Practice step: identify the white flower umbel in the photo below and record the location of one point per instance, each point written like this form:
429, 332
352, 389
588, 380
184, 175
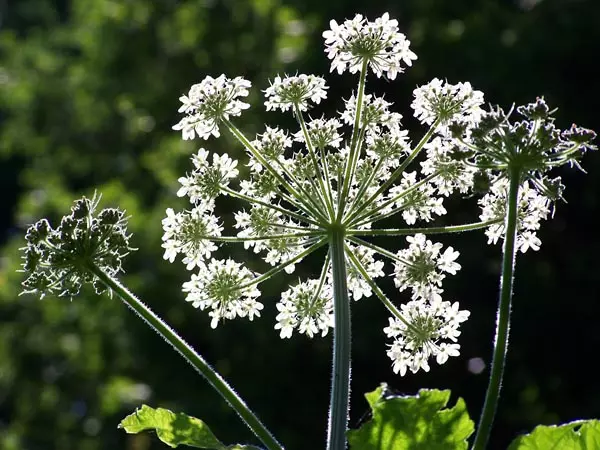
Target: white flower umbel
378, 43
515, 157
207, 180
309, 184
423, 266
189, 233
307, 307
453, 174
429, 330
447, 102
375, 113
532, 208
323, 133
327, 182
210, 101
285, 93
525, 150
225, 287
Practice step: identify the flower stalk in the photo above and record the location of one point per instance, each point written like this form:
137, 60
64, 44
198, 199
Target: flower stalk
340, 376
191, 356
503, 317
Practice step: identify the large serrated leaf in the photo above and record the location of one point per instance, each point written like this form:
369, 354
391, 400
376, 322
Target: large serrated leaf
175, 429
578, 435
413, 423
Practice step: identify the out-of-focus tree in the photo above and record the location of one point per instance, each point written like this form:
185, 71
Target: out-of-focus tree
88, 95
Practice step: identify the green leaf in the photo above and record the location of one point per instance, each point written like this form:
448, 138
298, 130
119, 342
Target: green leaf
413, 422
176, 429
578, 435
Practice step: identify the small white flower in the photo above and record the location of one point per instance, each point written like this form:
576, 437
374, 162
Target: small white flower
418, 204
307, 307
226, 288
453, 174
387, 148
271, 145
439, 99
264, 222
430, 330
532, 209
188, 233
445, 351
357, 285
424, 266
375, 113
205, 183
209, 102
322, 133
378, 43
288, 92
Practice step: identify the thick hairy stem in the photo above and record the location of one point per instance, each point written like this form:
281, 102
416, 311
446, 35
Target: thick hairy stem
190, 355
503, 319
340, 377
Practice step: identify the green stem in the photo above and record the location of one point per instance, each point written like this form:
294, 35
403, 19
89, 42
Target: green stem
370, 216
326, 193
269, 273
267, 205
424, 230
340, 377
304, 201
397, 172
354, 142
190, 355
503, 319
386, 301
238, 239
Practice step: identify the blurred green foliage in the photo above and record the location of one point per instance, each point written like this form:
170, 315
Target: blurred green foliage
88, 95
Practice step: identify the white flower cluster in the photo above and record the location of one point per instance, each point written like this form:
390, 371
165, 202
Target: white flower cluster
209, 102
439, 100
286, 92
263, 222
422, 266
532, 208
345, 173
207, 181
427, 322
308, 306
416, 204
226, 288
379, 43
357, 284
452, 174
189, 233
431, 330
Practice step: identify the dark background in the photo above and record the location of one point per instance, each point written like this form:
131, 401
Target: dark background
88, 95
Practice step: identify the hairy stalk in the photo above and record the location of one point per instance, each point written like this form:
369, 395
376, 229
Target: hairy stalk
326, 193
304, 202
423, 230
397, 172
190, 355
354, 142
340, 376
386, 301
256, 201
503, 319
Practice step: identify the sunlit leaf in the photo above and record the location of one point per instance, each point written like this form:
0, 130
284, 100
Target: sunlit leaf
578, 435
175, 429
413, 422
